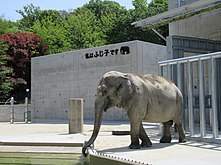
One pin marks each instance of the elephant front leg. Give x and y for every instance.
(134, 133)
(144, 138)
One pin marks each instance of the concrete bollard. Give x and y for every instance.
(75, 115)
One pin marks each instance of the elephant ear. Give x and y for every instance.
(124, 87)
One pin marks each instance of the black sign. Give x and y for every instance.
(124, 50)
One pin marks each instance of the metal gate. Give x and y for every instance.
(198, 77)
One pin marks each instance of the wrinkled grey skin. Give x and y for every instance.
(148, 98)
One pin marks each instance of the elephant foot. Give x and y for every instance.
(165, 139)
(146, 144)
(181, 140)
(134, 146)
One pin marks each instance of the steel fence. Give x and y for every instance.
(198, 78)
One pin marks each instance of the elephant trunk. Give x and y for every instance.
(99, 108)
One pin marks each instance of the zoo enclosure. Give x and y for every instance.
(198, 77)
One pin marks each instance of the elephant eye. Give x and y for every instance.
(104, 92)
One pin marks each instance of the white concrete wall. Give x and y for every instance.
(58, 77)
(205, 25)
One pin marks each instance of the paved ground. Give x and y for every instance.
(106, 143)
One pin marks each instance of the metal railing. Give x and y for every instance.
(181, 71)
(15, 112)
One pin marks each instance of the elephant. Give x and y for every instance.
(148, 98)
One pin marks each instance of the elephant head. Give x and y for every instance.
(113, 88)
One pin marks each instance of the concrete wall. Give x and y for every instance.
(75, 74)
(205, 25)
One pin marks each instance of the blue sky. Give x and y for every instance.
(8, 7)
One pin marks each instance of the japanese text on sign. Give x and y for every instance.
(124, 50)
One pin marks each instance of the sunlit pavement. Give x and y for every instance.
(191, 152)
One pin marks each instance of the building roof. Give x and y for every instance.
(179, 13)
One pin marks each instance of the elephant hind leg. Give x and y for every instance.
(166, 138)
(182, 137)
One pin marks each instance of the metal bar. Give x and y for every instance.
(26, 109)
(160, 70)
(202, 99)
(179, 82)
(12, 110)
(191, 58)
(160, 125)
(180, 85)
(214, 98)
(169, 71)
(190, 98)
(160, 35)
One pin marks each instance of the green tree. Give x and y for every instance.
(6, 84)
(30, 14)
(84, 29)
(106, 15)
(53, 32)
(95, 23)
(50, 25)
(140, 9)
(157, 7)
(8, 26)
(124, 31)
(106, 12)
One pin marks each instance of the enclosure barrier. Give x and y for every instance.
(182, 73)
(11, 112)
(95, 158)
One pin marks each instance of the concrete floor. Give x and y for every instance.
(192, 152)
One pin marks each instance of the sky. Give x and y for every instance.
(8, 7)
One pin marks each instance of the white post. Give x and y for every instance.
(202, 99)
(190, 97)
(214, 99)
(12, 110)
(26, 109)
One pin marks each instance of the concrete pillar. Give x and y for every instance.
(75, 115)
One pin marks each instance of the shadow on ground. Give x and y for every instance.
(155, 146)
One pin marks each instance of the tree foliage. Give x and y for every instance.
(87, 32)
(6, 84)
(8, 26)
(94, 24)
(21, 47)
(30, 14)
(48, 24)
(53, 32)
